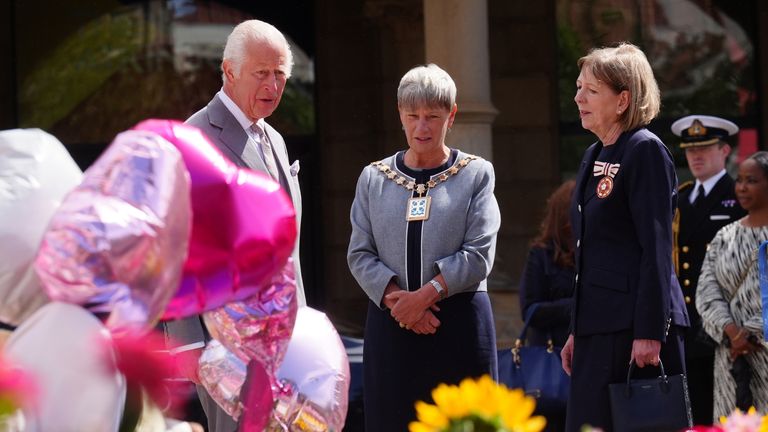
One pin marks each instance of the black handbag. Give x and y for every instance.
(536, 369)
(655, 404)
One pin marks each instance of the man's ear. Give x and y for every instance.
(229, 69)
(726, 149)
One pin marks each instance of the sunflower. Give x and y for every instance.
(480, 405)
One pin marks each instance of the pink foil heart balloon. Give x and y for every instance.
(117, 243)
(259, 327)
(243, 225)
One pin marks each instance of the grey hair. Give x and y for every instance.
(761, 158)
(426, 85)
(254, 31)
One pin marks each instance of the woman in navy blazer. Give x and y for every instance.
(627, 302)
(547, 280)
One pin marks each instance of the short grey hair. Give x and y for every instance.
(426, 85)
(254, 31)
(761, 158)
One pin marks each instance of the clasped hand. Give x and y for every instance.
(413, 310)
(740, 340)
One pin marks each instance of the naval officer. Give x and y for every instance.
(706, 204)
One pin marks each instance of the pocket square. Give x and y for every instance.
(295, 167)
(719, 217)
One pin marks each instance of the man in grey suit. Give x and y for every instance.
(256, 63)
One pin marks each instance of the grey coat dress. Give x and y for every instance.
(458, 241)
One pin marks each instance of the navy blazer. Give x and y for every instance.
(625, 279)
(551, 287)
(697, 227)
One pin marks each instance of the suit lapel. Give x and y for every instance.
(700, 215)
(281, 154)
(586, 173)
(234, 137)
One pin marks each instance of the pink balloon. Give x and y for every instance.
(243, 225)
(256, 399)
(259, 327)
(117, 243)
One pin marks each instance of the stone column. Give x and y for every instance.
(456, 33)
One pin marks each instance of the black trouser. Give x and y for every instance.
(700, 374)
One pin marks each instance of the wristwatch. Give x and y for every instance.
(439, 288)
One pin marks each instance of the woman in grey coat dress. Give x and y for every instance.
(424, 224)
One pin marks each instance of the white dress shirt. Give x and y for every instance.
(708, 184)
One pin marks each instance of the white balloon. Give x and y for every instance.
(62, 347)
(36, 172)
(313, 380)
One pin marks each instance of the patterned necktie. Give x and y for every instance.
(266, 151)
(700, 195)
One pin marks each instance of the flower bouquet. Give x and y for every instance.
(480, 405)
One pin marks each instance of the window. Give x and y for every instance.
(98, 68)
(702, 53)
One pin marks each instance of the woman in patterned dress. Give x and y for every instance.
(728, 294)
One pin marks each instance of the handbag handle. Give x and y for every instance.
(528, 317)
(663, 384)
(520, 341)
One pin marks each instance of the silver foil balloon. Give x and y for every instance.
(117, 243)
(259, 327)
(222, 374)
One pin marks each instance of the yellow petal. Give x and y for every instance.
(518, 410)
(470, 392)
(430, 415)
(420, 427)
(449, 400)
(535, 424)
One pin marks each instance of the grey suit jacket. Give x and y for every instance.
(228, 136)
(224, 131)
(458, 240)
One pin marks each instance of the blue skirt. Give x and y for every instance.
(401, 367)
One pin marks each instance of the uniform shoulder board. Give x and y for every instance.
(685, 185)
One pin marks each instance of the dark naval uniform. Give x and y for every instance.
(695, 226)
